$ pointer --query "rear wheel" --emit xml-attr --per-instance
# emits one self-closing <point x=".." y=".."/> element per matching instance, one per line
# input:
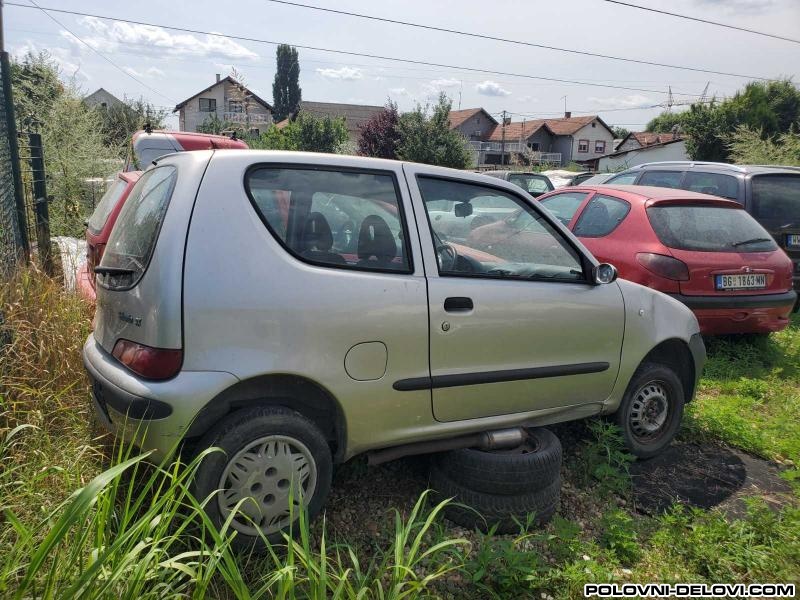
<point x="651" y="411"/>
<point x="274" y="462"/>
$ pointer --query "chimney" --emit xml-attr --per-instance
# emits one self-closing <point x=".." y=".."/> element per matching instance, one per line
<point x="217" y="77"/>
<point x="567" y="115"/>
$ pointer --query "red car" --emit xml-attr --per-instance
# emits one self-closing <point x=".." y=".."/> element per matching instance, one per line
<point x="705" y="251"/>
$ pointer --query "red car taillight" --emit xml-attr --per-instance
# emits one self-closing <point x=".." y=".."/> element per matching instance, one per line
<point x="150" y="363"/>
<point x="664" y="266"/>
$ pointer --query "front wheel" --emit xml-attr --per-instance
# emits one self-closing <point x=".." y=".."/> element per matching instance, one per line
<point x="651" y="411"/>
<point x="273" y="462"/>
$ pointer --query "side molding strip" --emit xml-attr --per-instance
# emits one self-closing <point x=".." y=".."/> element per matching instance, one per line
<point x="459" y="379"/>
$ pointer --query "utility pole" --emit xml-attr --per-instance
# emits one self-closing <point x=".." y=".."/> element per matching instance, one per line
<point x="503" y="141"/>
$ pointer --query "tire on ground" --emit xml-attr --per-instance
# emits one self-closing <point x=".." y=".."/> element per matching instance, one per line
<point x="656" y="374"/>
<point x="233" y="435"/>
<point x="509" y="514"/>
<point x="505" y="472"/>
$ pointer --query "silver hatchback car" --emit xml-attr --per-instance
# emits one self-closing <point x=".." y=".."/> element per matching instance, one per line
<point x="299" y="309"/>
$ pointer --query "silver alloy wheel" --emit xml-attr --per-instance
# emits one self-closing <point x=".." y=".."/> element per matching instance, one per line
<point x="262" y="478"/>
<point x="649" y="410"/>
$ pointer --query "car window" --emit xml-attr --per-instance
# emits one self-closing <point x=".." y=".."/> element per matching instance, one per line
<point x="623" y="179"/>
<point x="106" y="205"/>
<point x="715" y="184"/>
<point x="333" y="218"/>
<point x="666" y="179"/>
<point x="533" y="184"/>
<point x="601" y="216"/>
<point x="511" y="241"/>
<point x="131" y="243"/>
<point x="777" y="197"/>
<point x="709" y="229"/>
<point x="564" y="205"/>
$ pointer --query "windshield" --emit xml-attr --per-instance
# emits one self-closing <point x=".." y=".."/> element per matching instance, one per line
<point x="136" y="231"/>
<point x="535" y="185"/>
<point x="777" y="198"/>
<point x="107" y="203"/>
<point x="709" y="229"/>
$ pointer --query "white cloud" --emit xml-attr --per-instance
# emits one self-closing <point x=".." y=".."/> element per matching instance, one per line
<point x="738" y="6"/>
<point x="69" y="62"/>
<point x="150" y="72"/>
<point x="491" y="88"/>
<point x="631" y="101"/>
<point x="527" y="99"/>
<point x="109" y="35"/>
<point x="399" y="91"/>
<point x="344" y="73"/>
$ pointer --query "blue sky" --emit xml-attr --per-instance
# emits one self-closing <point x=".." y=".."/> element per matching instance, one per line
<point x="174" y="65"/>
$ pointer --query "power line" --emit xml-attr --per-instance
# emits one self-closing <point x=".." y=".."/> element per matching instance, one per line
<point x="349" y="52"/>
<point x="706" y="21"/>
<point x="101" y="55"/>
<point x="511" y="41"/>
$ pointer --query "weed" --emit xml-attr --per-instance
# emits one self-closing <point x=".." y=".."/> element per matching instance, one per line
<point x="605" y="458"/>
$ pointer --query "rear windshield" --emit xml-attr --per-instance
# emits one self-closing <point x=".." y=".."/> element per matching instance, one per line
<point x="709" y="229"/>
<point x="532" y="184"/>
<point x="134" y="236"/>
<point x="777" y="197"/>
<point x="107" y="203"/>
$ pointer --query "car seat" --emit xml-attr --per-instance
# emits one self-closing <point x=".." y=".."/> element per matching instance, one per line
<point x="376" y="244"/>
<point x="317" y="240"/>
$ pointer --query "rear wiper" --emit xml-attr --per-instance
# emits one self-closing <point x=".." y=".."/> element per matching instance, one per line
<point x="751" y="241"/>
<point x="113" y="271"/>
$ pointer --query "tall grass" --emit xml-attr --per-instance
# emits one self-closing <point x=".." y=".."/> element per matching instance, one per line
<point x="71" y="528"/>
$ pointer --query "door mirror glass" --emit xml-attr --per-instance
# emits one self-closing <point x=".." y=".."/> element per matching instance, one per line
<point x="605" y="273"/>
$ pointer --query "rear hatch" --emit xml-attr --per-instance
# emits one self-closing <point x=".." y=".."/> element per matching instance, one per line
<point x="775" y="202"/>
<point x="140" y="275"/>
<point x="726" y="251"/>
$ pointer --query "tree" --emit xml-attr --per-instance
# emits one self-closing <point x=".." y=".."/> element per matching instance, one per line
<point x="120" y="121"/>
<point x="286" y="91"/>
<point x="620" y="132"/>
<point x="749" y="147"/>
<point x="37" y="87"/>
<point x="380" y="136"/>
<point x="665" y="122"/>
<point x="307" y="134"/>
<point x="426" y="137"/>
<point x="214" y="125"/>
<point x="242" y="98"/>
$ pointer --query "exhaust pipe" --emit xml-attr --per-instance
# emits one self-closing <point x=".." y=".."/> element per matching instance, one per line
<point x="487" y="440"/>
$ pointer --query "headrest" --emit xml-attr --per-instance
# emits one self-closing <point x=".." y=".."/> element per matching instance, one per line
<point x="317" y="233"/>
<point x="375" y="239"/>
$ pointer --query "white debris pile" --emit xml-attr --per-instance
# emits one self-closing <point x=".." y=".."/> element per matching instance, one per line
<point x="73" y="256"/>
<point x="559" y="177"/>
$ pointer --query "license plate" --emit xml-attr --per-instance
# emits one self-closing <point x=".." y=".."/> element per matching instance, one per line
<point x="793" y="240"/>
<point x="741" y="282"/>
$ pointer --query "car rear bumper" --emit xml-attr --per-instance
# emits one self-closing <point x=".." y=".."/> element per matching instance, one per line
<point x="720" y="315"/>
<point x="153" y="415"/>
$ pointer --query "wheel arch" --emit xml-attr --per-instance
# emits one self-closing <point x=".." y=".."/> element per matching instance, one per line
<point x="677" y="354"/>
<point x="295" y="392"/>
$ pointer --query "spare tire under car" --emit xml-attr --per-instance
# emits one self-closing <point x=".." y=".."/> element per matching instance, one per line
<point x="501" y="487"/>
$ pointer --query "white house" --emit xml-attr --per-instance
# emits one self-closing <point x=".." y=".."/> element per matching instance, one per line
<point x="624" y="159"/>
<point x="229" y="101"/>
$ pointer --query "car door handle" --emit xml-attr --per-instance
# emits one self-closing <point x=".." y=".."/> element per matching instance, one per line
<point x="458" y="304"/>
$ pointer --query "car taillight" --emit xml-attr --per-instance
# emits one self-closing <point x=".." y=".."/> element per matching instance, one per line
<point x="665" y="266"/>
<point x="149" y="362"/>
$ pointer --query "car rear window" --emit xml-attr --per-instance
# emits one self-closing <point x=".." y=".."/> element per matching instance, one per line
<point x="107" y="203"/>
<point x="776" y="197"/>
<point x="333" y="218"/>
<point x="530" y="183"/>
<point x="709" y="229"/>
<point x="666" y="179"/>
<point x="134" y="236"/>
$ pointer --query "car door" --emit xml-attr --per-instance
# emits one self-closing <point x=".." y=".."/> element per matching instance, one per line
<point x="514" y="328"/>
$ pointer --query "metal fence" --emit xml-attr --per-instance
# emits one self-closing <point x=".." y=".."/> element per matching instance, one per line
<point x="14" y="244"/>
<point x="24" y="218"/>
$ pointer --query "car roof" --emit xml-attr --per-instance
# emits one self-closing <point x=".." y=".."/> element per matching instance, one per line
<point x="656" y="195"/>
<point x="716" y="167"/>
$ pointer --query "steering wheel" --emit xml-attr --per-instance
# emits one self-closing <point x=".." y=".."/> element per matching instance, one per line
<point x="447" y="257"/>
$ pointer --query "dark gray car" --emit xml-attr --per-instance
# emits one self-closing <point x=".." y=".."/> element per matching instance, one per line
<point x="770" y="193"/>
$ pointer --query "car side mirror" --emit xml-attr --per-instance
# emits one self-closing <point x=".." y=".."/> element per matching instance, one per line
<point x="604" y="273"/>
<point x="463" y="209"/>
